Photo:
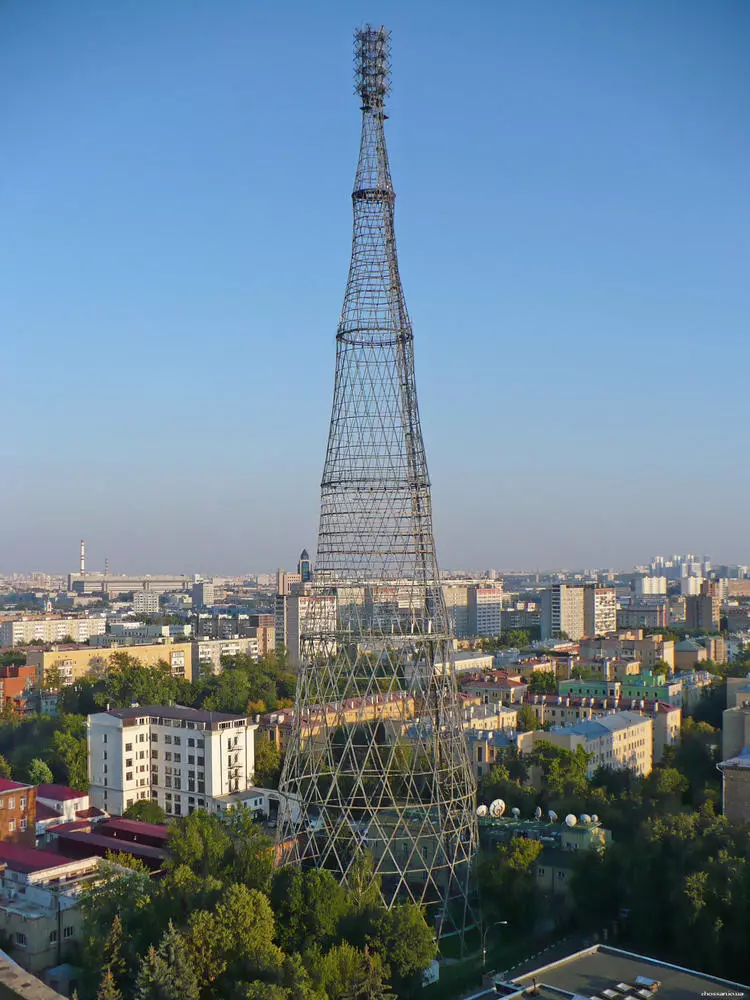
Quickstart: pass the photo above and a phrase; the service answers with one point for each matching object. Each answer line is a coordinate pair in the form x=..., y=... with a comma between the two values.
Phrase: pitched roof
x=6, y=785
x=59, y=793
x=29, y=859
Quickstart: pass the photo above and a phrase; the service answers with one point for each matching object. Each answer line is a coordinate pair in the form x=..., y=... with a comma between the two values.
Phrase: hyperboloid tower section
x=376, y=758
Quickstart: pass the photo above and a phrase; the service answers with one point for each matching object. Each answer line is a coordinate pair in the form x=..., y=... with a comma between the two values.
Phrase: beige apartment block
x=622, y=740
x=631, y=644
x=74, y=662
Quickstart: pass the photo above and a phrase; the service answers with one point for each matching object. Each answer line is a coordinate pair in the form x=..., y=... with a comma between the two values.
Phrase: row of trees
x=223, y=923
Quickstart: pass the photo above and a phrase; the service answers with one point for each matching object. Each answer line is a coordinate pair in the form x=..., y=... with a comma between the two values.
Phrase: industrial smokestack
x=83, y=558
x=106, y=567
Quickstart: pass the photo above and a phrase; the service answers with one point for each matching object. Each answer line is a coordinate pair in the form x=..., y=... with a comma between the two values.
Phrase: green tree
x=167, y=973
x=108, y=988
x=5, y=769
x=71, y=750
x=39, y=773
x=527, y=719
x=508, y=883
x=267, y=764
x=563, y=771
x=308, y=906
x=543, y=682
x=348, y=973
x=200, y=842
x=146, y=811
x=405, y=943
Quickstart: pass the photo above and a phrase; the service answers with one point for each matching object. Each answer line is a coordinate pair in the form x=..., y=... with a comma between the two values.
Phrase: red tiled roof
x=136, y=826
x=45, y=812
x=29, y=859
x=6, y=785
x=76, y=824
x=60, y=793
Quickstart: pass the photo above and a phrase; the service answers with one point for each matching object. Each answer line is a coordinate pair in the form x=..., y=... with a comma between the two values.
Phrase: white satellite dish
x=482, y=810
x=594, y=818
x=552, y=816
x=516, y=812
x=538, y=812
x=584, y=818
x=497, y=808
x=570, y=820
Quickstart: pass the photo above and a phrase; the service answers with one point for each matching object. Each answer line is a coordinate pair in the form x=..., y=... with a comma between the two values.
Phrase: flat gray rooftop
x=588, y=973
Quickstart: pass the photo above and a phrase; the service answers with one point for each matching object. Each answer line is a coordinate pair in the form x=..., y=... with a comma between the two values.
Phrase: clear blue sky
x=573, y=217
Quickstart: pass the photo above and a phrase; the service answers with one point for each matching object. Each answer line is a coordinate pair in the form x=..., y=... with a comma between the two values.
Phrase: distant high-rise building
x=204, y=594
x=145, y=602
x=563, y=612
x=304, y=567
x=703, y=610
x=285, y=581
x=485, y=609
x=651, y=586
x=599, y=610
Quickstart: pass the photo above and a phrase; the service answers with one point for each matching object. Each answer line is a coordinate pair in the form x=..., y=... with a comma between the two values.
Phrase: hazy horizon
x=573, y=222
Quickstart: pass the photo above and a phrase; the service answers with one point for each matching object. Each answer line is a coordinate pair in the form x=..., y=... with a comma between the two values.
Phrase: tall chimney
x=83, y=558
x=106, y=567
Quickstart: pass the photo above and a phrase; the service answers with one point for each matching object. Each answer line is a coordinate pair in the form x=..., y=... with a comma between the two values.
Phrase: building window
x=178, y=758
x=104, y=738
x=128, y=775
x=167, y=755
x=191, y=759
x=154, y=755
x=191, y=743
x=177, y=740
x=69, y=932
x=23, y=825
x=154, y=738
x=20, y=939
x=11, y=826
x=128, y=747
x=167, y=738
x=12, y=802
x=201, y=762
x=52, y=937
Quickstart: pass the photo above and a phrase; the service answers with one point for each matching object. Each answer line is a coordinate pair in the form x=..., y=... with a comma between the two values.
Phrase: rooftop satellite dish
x=552, y=816
x=570, y=820
x=584, y=818
x=497, y=808
x=538, y=812
x=482, y=810
x=516, y=812
x=594, y=818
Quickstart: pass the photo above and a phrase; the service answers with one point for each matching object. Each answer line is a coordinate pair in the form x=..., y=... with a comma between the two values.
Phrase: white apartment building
x=181, y=758
x=456, y=598
x=563, y=612
x=485, y=610
x=145, y=602
x=207, y=653
x=599, y=610
x=46, y=628
x=651, y=586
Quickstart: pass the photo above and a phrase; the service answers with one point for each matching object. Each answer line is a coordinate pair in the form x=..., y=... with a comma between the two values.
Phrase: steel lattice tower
x=376, y=756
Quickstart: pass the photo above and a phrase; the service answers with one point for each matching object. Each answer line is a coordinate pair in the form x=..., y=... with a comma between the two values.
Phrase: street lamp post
x=496, y=923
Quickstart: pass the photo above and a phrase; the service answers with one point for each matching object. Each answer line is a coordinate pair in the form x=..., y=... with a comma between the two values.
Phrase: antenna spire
x=372, y=65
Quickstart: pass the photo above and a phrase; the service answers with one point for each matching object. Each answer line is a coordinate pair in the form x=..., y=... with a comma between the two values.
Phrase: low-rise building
x=564, y=710
x=688, y=654
x=207, y=654
x=17, y=812
x=622, y=740
x=182, y=758
x=39, y=897
x=735, y=730
x=631, y=644
x=653, y=687
x=66, y=802
x=496, y=688
x=49, y=628
x=70, y=663
x=17, y=685
x=738, y=691
x=695, y=686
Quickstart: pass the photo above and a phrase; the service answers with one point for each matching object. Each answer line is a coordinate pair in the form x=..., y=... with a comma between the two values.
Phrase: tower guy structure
x=376, y=758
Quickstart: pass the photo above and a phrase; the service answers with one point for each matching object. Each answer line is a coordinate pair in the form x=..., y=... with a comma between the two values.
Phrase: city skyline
x=170, y=304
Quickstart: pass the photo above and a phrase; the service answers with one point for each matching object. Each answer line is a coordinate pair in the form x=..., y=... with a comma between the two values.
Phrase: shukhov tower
x=376, y=759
